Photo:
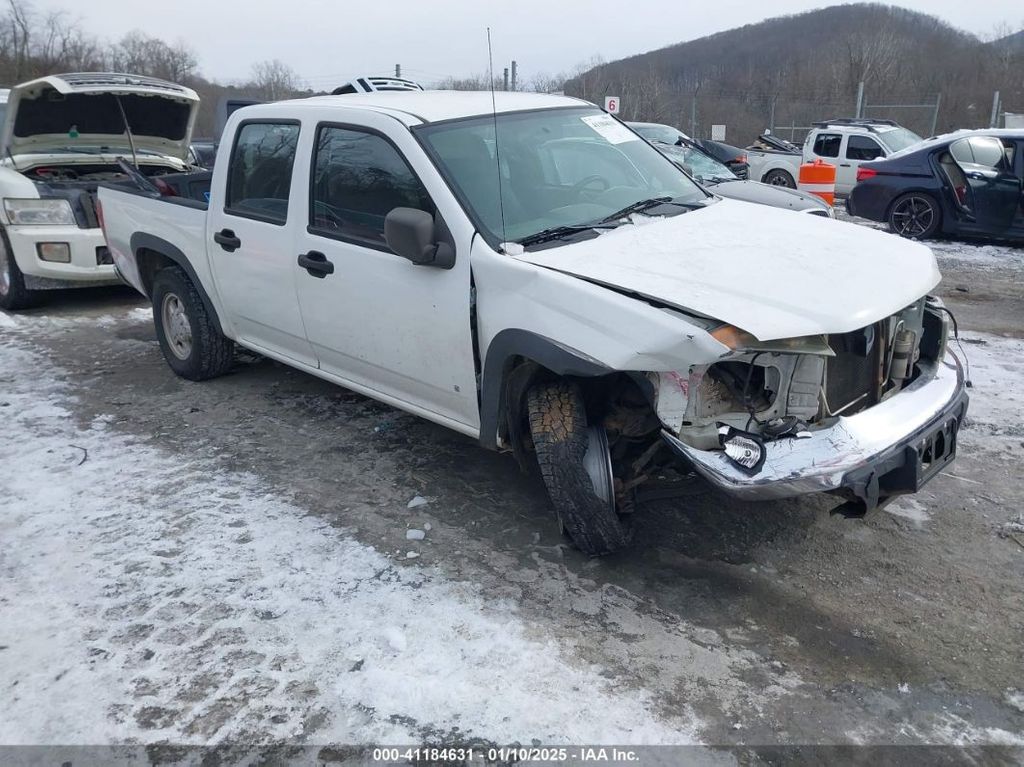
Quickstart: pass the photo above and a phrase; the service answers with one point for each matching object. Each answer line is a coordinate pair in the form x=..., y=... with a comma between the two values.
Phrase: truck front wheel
x=575, y=462
x=192, y=345
x=13, y=293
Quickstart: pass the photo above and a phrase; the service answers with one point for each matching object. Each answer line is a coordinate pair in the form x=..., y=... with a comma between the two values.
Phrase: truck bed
x=134, y=219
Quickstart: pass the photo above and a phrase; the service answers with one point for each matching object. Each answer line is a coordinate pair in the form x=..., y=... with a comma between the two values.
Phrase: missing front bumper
x=892, y=448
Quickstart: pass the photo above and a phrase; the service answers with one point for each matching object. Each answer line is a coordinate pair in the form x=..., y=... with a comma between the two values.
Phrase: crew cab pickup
x=61, y=137
x=531, y=273
x=846, y=143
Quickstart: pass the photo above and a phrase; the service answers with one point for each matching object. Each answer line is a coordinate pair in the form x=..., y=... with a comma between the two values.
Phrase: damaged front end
x=871, y=413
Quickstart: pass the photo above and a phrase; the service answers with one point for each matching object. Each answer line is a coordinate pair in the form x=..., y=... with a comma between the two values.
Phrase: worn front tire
x=13, y=293
x=189, y=339
x=558, y=425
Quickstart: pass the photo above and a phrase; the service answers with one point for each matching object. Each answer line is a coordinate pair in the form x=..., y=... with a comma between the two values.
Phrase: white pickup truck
x=845, y=143
x=61, y=137
x=541, y=279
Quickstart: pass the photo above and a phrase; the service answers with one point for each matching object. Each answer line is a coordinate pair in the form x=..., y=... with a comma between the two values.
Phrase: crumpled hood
x=84, y=109
x=773, y=273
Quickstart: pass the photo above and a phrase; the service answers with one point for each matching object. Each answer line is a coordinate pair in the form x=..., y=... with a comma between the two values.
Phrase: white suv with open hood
x=62, y=136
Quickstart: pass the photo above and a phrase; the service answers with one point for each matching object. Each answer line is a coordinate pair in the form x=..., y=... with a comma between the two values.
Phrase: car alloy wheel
x=5, y=271
x=913, y=216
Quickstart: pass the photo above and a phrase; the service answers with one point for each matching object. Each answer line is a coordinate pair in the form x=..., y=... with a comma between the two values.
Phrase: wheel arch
x=515, y=360
x=154, y=253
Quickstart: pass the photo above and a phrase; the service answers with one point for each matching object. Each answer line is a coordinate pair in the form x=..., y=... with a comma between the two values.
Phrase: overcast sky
x=325, y=41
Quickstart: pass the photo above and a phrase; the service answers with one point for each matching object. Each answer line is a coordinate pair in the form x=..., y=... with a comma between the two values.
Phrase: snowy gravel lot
x=267, y=558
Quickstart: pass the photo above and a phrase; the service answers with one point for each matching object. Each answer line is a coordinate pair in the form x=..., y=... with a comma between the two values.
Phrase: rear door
x=382, y=324
x=993, y=185
x=252, y=250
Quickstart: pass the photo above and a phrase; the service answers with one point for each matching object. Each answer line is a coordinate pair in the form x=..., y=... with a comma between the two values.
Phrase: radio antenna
x=497, y=155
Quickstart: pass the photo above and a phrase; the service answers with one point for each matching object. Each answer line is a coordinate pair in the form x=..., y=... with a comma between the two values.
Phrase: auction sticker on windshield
x=610, y=129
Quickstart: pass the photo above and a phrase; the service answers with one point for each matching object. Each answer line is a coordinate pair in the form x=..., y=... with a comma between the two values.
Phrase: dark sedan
x=734, y=158
x=968, y=183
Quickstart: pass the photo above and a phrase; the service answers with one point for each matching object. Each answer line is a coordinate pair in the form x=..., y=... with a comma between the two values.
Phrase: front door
x=251, y=244
x=857, y=149
x=400, y=331
x=993, y=187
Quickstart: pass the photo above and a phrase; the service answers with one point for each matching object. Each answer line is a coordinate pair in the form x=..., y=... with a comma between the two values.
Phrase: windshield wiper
x=642, y=205
x=558, y=232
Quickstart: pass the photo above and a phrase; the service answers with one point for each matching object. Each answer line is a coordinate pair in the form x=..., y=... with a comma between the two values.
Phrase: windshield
x=899, y=138
x=702, y=166
x=559, y=168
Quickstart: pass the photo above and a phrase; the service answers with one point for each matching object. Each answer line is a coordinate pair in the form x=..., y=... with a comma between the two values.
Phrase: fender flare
x=144, y=241
x=513, y=343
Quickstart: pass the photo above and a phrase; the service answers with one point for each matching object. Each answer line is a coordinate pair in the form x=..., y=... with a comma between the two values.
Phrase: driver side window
x=358, y=178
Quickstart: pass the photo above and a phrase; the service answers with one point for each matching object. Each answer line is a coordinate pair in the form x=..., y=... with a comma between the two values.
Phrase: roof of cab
x=433, y=106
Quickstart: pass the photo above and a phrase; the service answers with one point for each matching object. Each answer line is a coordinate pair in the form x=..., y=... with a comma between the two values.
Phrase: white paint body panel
x=775, y=274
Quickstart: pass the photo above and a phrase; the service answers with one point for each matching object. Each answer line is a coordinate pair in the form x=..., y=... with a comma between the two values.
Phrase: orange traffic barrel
x=818, y=177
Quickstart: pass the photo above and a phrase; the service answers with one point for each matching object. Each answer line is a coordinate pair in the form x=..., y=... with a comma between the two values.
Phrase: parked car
x=846, y=143
x=967, y=183
x=734, y=158
x=715, y=176
x=666, y=134
x=202, y=153
x=591, y=308
x=63, y=135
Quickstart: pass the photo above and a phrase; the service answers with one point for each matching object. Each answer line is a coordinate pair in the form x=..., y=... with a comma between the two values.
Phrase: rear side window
x=358, y=178
x=862, y=148
x=827, y=144
x=987, y=151
x=260, y=174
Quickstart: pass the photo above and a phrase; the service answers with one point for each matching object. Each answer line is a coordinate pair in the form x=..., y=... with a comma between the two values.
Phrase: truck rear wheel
x=576, y=465
x=192, y=345
x=779, y=178
x=13, y=293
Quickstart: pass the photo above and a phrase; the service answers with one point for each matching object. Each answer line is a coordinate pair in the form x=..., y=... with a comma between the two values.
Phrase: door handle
x=844, y=165
x=227, y=240
x=316, y=264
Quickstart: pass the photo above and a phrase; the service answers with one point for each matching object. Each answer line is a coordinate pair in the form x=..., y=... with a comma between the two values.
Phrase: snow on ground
x=145, y=596
x=997, y=395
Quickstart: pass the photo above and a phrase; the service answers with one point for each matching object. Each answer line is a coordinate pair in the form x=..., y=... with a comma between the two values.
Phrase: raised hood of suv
x=775, y=274
x=64, y=111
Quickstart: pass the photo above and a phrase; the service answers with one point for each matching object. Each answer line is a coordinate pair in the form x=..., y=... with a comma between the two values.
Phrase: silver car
x=709, y=172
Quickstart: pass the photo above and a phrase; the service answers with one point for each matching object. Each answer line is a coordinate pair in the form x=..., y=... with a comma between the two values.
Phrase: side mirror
x=411, y=234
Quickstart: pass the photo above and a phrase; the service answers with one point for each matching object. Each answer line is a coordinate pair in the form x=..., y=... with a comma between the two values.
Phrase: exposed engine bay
x=77, y=183
x=775, y=393
x=94, y=174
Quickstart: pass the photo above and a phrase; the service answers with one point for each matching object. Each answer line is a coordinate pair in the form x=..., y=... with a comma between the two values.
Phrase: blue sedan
x=968, y=184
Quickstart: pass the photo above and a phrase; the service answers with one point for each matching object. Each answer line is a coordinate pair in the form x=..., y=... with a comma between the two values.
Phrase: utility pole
x=693, y=116
x=398, y=70
x=515, y=75
x=935, y=114
x=860, y=100
x=771, y=114
x=994, y=120
x=504, y=87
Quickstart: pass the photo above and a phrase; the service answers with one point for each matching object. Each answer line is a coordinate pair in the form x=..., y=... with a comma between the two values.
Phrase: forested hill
x=808, y=66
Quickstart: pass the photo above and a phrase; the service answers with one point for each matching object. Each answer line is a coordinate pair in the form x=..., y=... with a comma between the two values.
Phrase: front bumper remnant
x=889, y=449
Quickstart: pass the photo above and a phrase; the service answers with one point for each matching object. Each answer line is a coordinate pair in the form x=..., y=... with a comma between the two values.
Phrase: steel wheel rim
x=913, y=216
x=5, y=271
x=597, y=462
x=777, y=179
x=177, y=329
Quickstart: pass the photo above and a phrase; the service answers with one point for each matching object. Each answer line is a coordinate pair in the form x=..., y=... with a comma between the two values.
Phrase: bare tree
x=274, y=80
